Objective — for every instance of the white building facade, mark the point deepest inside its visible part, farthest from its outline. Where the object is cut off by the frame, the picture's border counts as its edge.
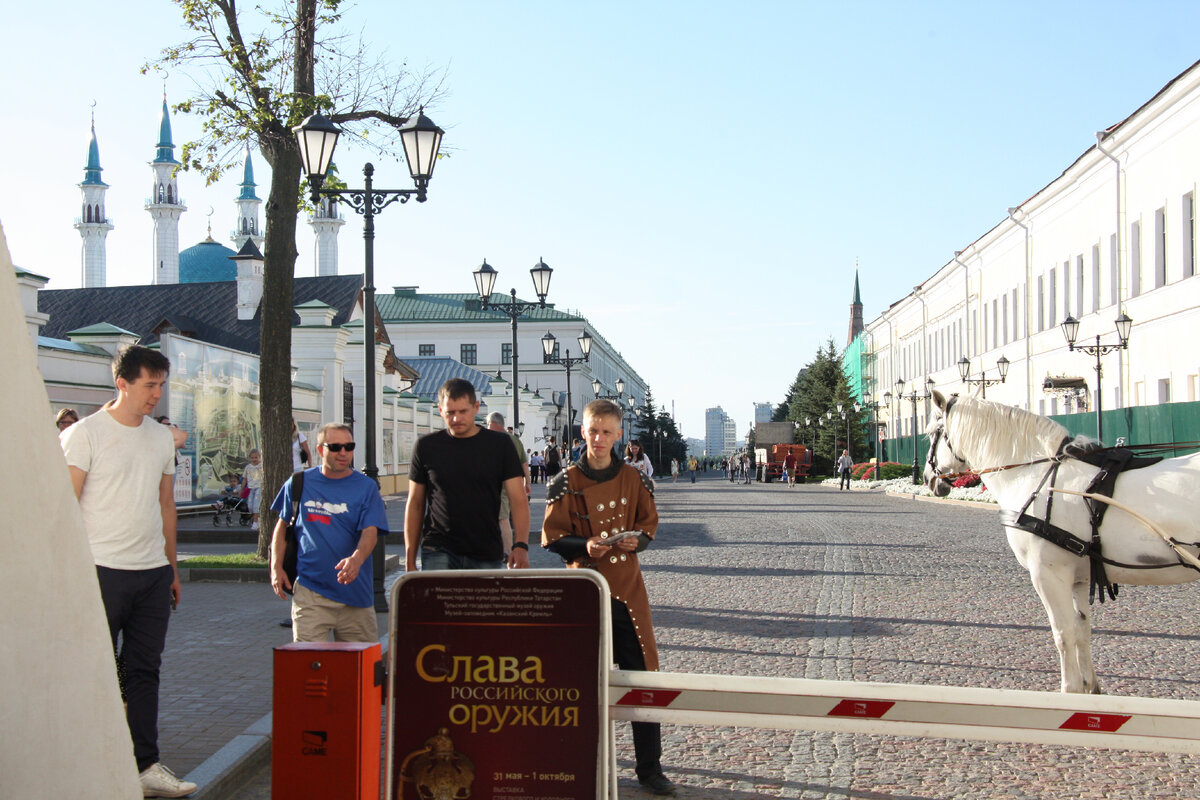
(1116, 232)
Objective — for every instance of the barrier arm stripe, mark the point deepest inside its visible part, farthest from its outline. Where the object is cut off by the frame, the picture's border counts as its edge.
(953, 712)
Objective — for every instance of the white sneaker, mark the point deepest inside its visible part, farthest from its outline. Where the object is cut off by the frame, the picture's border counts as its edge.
(253, 526)
(158, 781)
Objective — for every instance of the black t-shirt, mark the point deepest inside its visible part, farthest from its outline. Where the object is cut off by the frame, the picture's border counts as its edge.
(463, 479)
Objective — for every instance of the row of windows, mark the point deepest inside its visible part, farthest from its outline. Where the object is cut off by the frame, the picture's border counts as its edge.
(1079, 287)
(468, 353)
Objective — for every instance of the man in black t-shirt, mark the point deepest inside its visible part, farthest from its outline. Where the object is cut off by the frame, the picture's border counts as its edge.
(454, 485)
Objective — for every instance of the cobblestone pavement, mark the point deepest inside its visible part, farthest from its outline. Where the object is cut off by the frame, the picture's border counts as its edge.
(810, 582)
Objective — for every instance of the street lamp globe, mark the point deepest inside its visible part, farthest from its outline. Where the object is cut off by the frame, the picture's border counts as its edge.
(422, 140)
(1070, 329)
(540, 273)
(1002, 364)
(620, 386)
(585, 343)
(485, 280)
(548, 342)
(596, 387)
(964, 368)
(316, 137)
(1123, 325)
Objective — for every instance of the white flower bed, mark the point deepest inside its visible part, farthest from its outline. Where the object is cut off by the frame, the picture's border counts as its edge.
(906, 486)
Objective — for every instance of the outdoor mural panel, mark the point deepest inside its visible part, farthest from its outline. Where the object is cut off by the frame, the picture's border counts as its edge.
(213, 395)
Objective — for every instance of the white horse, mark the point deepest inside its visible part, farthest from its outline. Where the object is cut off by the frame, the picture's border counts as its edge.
(1014, 450)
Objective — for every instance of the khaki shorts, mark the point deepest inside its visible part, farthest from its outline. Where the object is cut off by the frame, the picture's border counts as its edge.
(505, 505)
(315, 616)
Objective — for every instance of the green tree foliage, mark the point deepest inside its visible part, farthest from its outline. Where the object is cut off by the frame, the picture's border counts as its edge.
(814, 397)
(256, 73)
(655, 429)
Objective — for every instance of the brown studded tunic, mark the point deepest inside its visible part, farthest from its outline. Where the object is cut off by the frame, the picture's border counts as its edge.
(581, 503)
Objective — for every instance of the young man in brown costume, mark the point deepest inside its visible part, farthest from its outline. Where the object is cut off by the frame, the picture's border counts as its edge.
(595, 498)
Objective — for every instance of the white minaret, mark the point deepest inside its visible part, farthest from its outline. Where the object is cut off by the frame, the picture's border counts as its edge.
(326, 222)
(164, 205)
(248, 206)
(93, 224)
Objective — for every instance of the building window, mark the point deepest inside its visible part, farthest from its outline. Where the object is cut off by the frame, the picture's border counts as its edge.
(1079, 285)
(1041, 303)
(506, 353)
(1050, 306)
(425, 350)
(1188, 220)
(1135, 259)
(466, 354)
(1016, 309)
(1164, 390)
(1095, 277)
(1005, 315)
(1113, 267)
(1066, 280)
(1160, 248)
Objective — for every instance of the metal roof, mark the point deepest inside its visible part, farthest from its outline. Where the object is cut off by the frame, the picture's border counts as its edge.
(406, 306)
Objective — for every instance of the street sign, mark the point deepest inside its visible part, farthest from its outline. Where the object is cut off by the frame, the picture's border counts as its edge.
(498, 685)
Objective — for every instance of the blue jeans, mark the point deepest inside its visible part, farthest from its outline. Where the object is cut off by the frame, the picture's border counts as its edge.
(444, 559)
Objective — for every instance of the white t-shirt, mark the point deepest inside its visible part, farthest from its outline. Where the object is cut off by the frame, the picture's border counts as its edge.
(297, 464)
(120, 498)
(643, 465)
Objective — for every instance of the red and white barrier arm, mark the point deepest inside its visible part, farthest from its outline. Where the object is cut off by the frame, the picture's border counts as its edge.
(1132, 723)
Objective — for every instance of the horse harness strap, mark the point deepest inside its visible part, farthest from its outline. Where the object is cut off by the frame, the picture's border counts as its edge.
(1110, 462)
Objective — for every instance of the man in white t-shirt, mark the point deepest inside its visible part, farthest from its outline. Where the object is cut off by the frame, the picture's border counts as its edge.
(122, 466)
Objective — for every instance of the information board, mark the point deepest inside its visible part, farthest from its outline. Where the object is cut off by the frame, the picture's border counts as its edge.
(499, 685)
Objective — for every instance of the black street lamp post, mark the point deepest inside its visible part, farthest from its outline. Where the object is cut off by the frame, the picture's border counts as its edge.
(317, 138)
(915, 396)
(548, 357)
(964, 372)
(485, 279)
(1070, 329)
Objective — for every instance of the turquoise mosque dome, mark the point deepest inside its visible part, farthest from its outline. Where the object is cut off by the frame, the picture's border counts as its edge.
(207, 262)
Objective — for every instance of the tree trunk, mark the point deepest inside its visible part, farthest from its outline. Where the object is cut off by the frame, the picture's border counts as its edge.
(279, 148)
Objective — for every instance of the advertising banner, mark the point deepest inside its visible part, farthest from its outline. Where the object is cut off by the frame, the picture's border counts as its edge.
(499, 685)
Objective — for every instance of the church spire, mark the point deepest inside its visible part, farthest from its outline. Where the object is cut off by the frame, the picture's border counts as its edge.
(93, 224)
(165, 205)
(856, 310)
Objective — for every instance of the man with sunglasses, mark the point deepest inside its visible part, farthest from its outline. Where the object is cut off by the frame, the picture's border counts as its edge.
(341, 514)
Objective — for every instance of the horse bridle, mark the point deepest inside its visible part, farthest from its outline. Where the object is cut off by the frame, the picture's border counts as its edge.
(938, 434)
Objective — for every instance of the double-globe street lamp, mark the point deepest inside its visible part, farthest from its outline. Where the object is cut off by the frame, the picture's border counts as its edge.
(485, 279)
(548, 357)
(964, 373)
(915, 396)
(317, 138)
(1070, 329)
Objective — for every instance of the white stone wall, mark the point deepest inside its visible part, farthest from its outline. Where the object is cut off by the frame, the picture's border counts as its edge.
(1019, 283)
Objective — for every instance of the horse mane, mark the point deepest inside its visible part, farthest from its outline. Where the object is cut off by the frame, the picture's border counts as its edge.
(997, 434)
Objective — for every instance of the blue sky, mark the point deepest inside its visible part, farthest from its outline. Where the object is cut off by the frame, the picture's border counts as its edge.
(702, 176)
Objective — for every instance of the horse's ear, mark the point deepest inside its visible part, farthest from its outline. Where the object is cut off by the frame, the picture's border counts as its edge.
(939, 400)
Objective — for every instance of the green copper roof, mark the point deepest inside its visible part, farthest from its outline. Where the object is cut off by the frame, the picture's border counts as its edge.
(407, 306)
(91, 174)
(166, 147)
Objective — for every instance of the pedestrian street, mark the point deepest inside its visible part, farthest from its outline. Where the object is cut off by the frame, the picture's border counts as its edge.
(810, 582)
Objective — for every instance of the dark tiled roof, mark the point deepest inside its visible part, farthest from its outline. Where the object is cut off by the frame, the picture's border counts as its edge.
(436, 370)
(407, 306)
(204, 311)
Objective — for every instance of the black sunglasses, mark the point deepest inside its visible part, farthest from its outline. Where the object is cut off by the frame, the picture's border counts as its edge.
(337, 448)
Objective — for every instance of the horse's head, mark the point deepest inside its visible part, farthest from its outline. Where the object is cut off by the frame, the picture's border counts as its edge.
(942, 459)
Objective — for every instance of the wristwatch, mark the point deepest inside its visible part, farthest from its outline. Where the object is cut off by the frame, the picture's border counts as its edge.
(521, 545)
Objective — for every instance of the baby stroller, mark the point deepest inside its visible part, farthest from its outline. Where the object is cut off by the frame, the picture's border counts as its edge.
(229, 505)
